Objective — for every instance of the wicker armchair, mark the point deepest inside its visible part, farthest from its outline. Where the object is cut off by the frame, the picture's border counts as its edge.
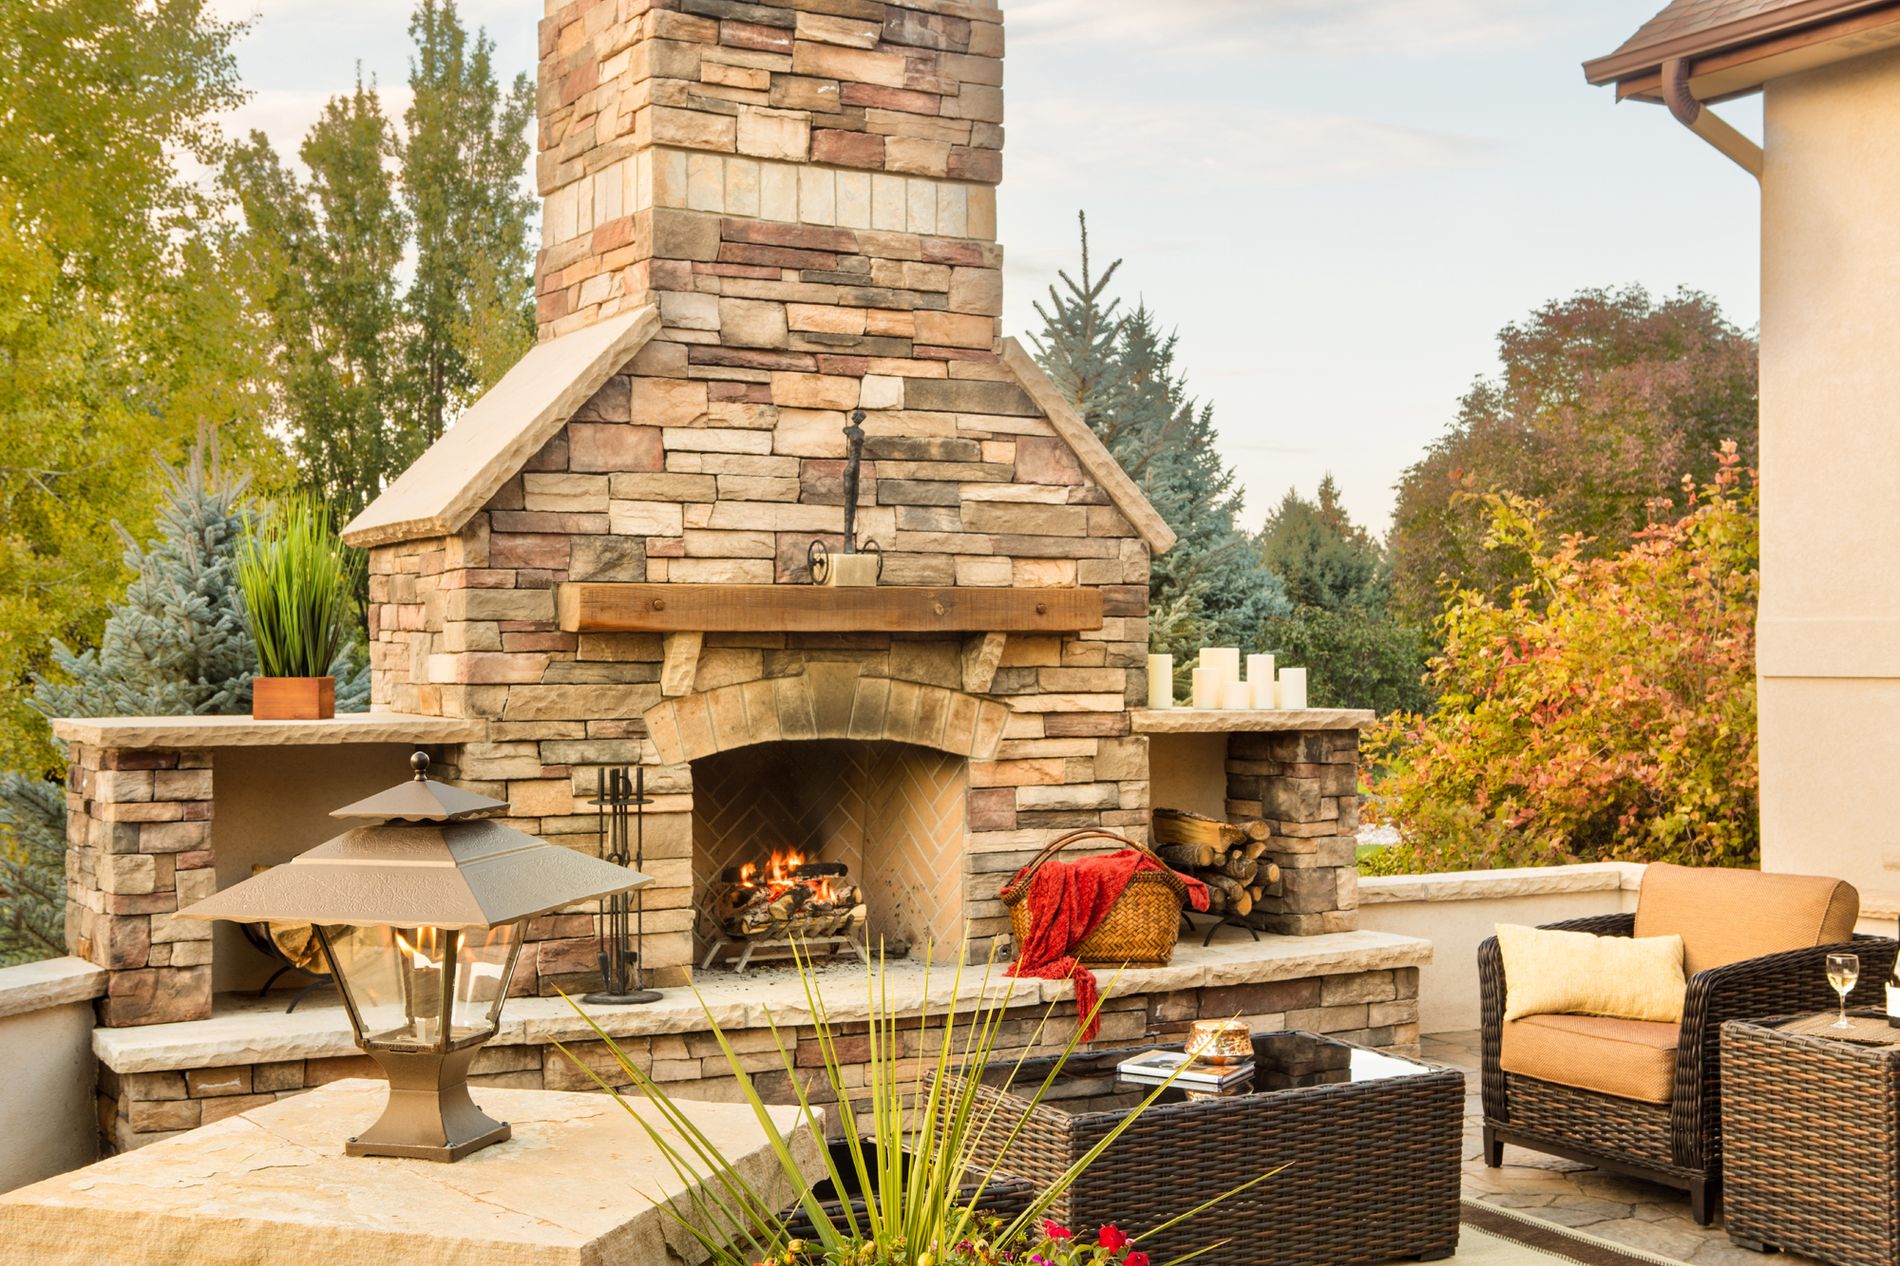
(1679, 1142)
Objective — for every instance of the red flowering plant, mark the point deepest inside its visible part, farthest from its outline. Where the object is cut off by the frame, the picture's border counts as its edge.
(1603, 710)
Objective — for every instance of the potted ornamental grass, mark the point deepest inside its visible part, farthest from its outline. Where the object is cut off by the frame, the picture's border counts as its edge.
(898, 1181)
(298, 580)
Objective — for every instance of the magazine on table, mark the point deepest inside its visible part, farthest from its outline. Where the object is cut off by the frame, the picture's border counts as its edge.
(1157, 1067)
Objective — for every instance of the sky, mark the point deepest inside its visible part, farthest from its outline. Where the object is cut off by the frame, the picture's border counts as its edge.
(1336, 204)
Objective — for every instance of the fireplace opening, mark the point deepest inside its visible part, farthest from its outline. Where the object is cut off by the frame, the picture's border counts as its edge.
(830, 838)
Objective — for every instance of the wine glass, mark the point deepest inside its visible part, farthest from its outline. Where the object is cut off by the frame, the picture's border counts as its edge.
(1842, 971)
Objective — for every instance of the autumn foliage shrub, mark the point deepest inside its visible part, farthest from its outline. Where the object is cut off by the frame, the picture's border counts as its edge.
(1603, 710)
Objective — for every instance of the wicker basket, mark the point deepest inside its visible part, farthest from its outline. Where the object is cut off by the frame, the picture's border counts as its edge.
(1139, 929)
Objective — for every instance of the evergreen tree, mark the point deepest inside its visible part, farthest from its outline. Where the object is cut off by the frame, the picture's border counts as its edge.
(1119, 372)
(470, 306)
(1357, 653)
(1320, 554)
(175, 644)
(32, 869)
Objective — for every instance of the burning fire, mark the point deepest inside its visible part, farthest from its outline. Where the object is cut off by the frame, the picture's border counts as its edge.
(781, 876)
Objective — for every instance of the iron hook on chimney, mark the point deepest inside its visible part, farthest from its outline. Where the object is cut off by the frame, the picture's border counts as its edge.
(824, 570)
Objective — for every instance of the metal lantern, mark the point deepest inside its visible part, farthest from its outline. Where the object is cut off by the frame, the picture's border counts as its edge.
(420, 910)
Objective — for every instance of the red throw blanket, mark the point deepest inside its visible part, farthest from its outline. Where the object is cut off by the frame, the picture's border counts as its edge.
(1069, 900)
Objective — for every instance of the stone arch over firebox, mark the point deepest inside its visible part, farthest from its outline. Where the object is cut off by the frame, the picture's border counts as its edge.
(825, 701)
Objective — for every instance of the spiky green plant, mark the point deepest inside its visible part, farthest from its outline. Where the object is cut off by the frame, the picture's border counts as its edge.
(911, 1139)
(297, 577)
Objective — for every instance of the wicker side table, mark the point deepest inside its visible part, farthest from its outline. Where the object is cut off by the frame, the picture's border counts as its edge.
(1811, 1134)
(1370, 1144)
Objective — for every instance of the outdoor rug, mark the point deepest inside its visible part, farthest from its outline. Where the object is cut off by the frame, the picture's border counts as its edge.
(1491, 1236)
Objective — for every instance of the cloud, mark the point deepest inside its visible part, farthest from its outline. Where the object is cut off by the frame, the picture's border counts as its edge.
(1252, 27)
(1213, 147)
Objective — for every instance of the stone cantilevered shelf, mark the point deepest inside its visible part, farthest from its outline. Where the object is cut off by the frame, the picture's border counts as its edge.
(1247, 720)
(195, 733)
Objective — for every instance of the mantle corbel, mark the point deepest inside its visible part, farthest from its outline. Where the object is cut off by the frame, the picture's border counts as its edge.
(606, 607)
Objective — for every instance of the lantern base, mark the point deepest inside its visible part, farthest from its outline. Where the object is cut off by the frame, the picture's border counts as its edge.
(429, 1115)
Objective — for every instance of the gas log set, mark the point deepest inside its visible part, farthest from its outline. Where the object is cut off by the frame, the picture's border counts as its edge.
(782, 901)
(1230, 858)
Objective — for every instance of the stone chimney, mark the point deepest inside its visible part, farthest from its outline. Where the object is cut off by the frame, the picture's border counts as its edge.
(802, 187)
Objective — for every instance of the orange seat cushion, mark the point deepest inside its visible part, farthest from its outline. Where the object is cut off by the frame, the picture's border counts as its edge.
(1631, 1059)
(1724, 915)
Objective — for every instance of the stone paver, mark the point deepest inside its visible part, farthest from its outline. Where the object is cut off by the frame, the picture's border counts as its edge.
(1643, 1215)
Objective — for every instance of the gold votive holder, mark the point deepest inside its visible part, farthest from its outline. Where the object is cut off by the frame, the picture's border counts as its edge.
(1220, 1042)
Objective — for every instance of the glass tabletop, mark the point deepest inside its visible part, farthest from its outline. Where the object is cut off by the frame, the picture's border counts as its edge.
(1283, 1061)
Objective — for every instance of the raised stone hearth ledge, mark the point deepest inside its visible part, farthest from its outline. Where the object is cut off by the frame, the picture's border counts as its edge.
(246, 1032)
(578, 1183)
(1487, 885)
(1247, 720)
(195, 733)
(51, 982)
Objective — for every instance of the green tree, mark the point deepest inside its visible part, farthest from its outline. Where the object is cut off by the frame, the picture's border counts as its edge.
(1603, 709)
(324, 255)
(470, 305)
(368, 371)
(1322, 557)
(1118, 370)
(1605, 402)
(119, 334)
(1356, 652)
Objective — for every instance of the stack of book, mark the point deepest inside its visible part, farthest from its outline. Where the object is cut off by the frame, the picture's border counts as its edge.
(1157, 1067)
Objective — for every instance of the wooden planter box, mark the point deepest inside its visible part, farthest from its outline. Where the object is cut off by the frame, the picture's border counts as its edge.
(293, 698)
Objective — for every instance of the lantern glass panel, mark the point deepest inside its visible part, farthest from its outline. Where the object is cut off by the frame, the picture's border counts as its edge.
(392, 981)
(484, 963)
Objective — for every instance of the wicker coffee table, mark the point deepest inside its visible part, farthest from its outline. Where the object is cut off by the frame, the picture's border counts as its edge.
(1369, 1141)
(1810, 1135)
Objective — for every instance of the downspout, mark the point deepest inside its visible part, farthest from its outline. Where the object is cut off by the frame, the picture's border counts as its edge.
(1693, 115)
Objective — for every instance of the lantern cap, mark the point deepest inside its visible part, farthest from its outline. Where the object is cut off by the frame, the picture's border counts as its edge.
(421, 799)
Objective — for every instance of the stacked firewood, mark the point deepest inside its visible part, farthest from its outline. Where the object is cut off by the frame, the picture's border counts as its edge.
(808, 900)
(1229, 857)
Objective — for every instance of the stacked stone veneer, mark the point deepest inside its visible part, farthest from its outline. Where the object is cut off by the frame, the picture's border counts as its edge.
(828, 153)
(1376, 1008)
(1306, 784)
(138, 834)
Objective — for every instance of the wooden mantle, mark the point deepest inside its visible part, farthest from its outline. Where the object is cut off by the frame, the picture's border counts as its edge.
(601, 607)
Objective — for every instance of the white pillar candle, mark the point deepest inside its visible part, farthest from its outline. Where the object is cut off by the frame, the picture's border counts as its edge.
(1161, 681)
(1234, 695)
(1293, 688)
(1223, 659)
(1260, 681)
(1207, 682)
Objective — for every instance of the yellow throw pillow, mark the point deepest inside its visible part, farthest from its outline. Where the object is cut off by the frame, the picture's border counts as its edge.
(1575, 973)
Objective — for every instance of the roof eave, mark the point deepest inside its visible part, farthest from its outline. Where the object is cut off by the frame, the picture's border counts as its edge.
(1729, 38)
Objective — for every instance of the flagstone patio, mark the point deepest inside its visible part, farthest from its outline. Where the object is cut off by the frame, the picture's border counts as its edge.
(1628, 1211)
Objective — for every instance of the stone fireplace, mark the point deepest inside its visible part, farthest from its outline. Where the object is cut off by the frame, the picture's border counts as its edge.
(758, 220)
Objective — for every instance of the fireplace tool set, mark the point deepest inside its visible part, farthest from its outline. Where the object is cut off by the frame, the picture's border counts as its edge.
(620, 803)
